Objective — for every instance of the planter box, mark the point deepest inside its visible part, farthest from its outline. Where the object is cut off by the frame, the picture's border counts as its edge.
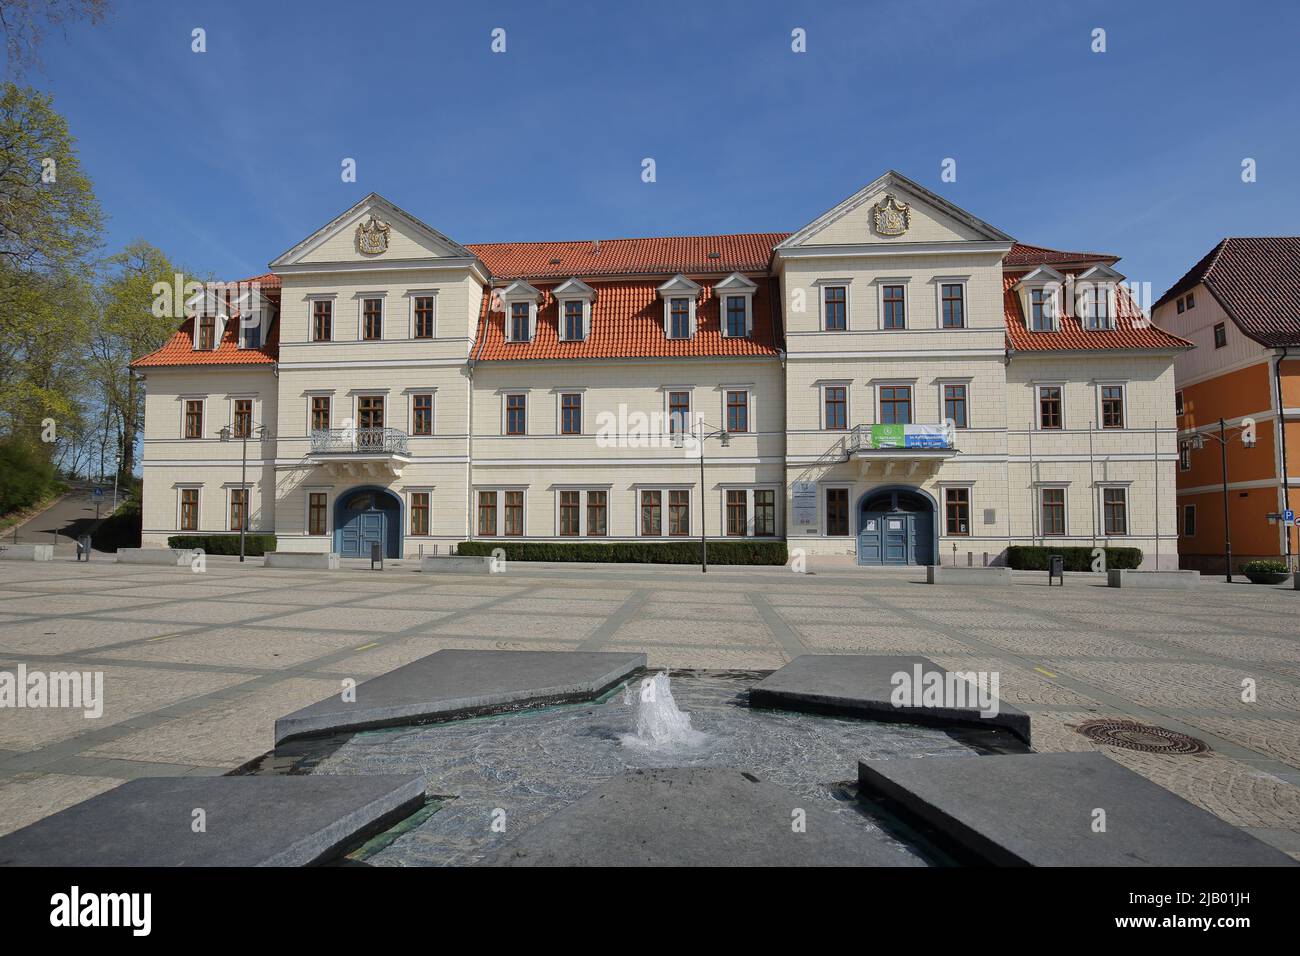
(311, 562)
(167, 557)
(1182, 580)
(460, 564)
(939, 574)
(1266, 577)
(27, 552)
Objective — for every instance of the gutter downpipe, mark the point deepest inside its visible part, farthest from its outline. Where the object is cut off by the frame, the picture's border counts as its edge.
(1281, 424)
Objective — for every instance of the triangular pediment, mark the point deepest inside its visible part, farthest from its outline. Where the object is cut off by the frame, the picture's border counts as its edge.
(893, 210)
(679, 285)
(574, 288)
(735, 283)
(372, 232)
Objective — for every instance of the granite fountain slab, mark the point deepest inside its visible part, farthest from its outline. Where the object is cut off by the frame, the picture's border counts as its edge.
(453, 683)
(864, 686)
(1043, 810)
(245, 821)
(697, 817)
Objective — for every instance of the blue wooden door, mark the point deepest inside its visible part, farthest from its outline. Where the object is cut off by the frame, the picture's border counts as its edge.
(869, 538)
(897, 539)
(362, 528)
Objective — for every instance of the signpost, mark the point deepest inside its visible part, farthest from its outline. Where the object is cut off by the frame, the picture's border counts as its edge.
(98, 495)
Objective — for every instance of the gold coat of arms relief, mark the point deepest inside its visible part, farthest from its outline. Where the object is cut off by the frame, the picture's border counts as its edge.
(892, 217)
(372, 236)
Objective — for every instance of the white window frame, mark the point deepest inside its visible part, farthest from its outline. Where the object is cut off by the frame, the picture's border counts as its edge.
(749, 509)
(307, 492)
(574, 290)
(940, 384)
(581, 392)
(751, 407)
(1102, 488)
(408, 492)
(231, 486)
(311, 299)
(1038, 406)
(1099, 385)
(847, 385)
(499, 492)
(411, 296)
(663, 510)
(360, 393)
(1064, 486)
(361, 298)
(519, 291)
(198, 514)
(942, 516)
(735, 285)
(320, 393)
(909, 383)
(690, 406)
(505, 394)
(203, 421)
(1047, 279)
(583, 492)
(679, 287)
(256, 412)
(881, 284)
(821, 285)
(939, 283)
(432, 392)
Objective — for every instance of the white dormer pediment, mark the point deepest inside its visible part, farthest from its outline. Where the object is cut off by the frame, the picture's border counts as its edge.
(574, 290)
(679, 285)
(1043, 275)
(1043, 284)
(519, 292)
(735, 286)
(676, 288)
(519, 289)
(1096, 296)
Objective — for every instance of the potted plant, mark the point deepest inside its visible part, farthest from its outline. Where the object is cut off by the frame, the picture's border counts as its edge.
(1265, 571)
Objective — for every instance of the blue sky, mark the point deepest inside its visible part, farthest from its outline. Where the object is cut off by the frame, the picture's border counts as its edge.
(226, 159)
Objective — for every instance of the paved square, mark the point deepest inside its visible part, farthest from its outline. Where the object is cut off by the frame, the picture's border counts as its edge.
(197, 667)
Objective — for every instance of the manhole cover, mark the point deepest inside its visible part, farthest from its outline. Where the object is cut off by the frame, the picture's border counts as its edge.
(1144, 737)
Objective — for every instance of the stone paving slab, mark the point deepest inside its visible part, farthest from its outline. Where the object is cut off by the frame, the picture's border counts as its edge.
(1039, 810)
(250, 821)
(448, 683)
(695, 818)
(862, 685)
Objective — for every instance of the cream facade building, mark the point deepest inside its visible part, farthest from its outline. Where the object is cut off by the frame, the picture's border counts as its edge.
(897, 382)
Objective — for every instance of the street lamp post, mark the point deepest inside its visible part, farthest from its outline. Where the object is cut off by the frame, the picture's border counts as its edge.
(724, 439)
(1247, 441)
(262, 434)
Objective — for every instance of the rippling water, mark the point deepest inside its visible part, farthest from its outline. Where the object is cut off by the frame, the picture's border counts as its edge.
(530, 764)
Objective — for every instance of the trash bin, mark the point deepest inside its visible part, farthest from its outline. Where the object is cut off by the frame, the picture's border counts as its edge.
(376, 555)
(83, 548)
(1056, 568)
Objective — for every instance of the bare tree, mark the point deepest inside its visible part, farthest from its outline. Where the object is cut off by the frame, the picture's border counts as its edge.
(25, 22)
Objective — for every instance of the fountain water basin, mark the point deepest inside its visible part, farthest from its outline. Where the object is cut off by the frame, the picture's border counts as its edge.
(661, 726)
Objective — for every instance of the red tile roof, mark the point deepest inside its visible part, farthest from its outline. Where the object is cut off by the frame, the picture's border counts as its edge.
(627, 322)
(1026, 256)
(179, 349)
(1132, 330)
(1256, 279)
(742, 252)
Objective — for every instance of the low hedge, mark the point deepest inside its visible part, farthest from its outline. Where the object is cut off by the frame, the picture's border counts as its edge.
(255, 545)
(633, 552)
(1265, 566)
(1035, 558)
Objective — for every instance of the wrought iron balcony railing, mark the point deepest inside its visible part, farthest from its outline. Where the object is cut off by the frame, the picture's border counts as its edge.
(877, 437)
(358, 441)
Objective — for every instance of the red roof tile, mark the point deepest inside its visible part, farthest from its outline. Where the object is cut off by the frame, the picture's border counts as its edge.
(1256, 279)
(179, 349)
(627, 322)
(1026, 256)
(1132, 330)
(742, 252)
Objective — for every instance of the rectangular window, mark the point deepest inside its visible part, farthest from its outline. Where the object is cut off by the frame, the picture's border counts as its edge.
(837, 512)
(1112, 406)
(207, 332)
(896, 404)
(372, 318)
(573, 320)
(895, 316)
(194, 419)
(1097, 306)
(370, 411)
(189, 509)
(1114, 509)
(316, 512)
(1178, 403)
(419, 512)
(516, 414)
(487, 513)
(836, 303)
(514, 509)
(764, 512)
(1220, 335)
(422, 414)
(737, 512)
(1049, 406)
(243, 417)
(1042, 305)
(737, 411)
(423, 317)
(597, 514)
(570, 512)
(954, 307)
(651, 512)
(1180, 305)
(1053, 508)
(679, 412)
(736, 315)
(571, 413)
(679, 512)
(238, 509)
(519, 321)
(956, 506)
(1185, 456)
(320, 412)
(1189, 521)
(322, 320)
(954, 405)
(1191, 300)
(679, 314)
(252, 335)
(837, 407)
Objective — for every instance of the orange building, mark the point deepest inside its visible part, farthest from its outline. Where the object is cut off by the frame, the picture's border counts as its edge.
(1240, 306)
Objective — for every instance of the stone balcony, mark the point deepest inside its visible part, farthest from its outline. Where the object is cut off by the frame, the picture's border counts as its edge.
(900, 450)
(360, 452)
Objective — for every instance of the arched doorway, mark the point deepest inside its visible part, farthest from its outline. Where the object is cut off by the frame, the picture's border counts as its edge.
(896, 525)
(364, 515)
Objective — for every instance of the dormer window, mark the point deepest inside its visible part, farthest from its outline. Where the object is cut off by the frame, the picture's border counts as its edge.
(679, 295)
(519, 301)
(1040, 299)
(252, 332)
(736, 297)
(207, 337)
(575, 298)
(1042, 309)
(1095, 297)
